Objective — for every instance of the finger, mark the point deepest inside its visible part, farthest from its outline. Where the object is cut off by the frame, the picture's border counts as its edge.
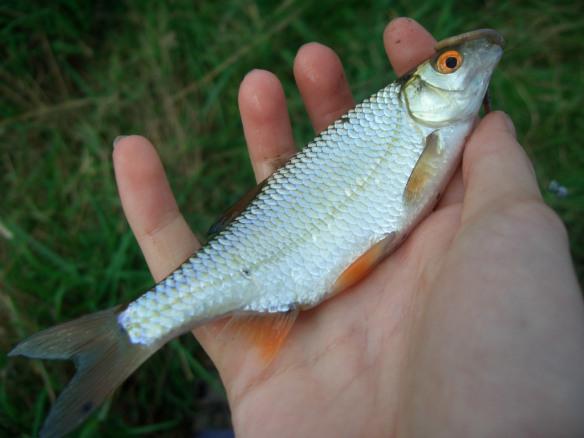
(495, 168)
(407, 44)
(454, 192)
(321, 80)
(162, 233)
(266, 123)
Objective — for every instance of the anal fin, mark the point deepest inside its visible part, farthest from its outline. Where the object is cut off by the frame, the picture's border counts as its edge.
(266, 332)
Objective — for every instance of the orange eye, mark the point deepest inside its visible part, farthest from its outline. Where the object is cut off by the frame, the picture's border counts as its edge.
(449, 61)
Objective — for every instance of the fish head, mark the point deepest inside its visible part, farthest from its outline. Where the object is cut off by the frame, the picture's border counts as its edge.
(451, 85)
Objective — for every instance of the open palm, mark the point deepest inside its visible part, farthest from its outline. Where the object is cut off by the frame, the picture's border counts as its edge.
(474, 326)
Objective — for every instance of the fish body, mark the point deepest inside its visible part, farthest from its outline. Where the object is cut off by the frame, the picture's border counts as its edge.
(315, 227)
(337, 198)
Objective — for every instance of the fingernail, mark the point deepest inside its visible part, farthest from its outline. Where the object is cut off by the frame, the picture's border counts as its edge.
(509, 123)
(118, 139)
(254, 71)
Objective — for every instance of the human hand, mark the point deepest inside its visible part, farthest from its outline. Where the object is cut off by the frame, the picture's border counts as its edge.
(474, 326)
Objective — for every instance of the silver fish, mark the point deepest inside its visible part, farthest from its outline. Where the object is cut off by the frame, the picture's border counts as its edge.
(314, 228)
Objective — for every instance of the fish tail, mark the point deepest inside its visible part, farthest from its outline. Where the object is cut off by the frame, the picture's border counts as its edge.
(104, 358)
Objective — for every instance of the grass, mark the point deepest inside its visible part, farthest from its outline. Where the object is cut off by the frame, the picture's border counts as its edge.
(76, 74)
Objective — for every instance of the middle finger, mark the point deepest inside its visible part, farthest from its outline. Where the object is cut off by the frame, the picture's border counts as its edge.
(321, 80)
(266, 123)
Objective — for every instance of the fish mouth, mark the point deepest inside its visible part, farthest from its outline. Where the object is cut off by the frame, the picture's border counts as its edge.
(490, 35)
(487, 108)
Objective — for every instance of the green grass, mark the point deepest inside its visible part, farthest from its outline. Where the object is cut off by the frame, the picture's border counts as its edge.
(76, 74)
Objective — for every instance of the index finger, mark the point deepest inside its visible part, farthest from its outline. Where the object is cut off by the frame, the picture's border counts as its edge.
(149, 205)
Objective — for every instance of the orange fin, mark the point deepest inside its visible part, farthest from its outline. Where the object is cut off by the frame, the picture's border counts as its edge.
(227, 217)
(265, 331)
(423, 170)
(365, 263)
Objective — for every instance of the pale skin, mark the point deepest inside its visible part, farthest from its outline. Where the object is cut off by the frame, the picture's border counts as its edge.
(474, 327)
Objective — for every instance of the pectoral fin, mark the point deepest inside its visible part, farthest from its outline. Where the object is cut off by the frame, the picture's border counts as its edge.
(361, 267)
(424, 169)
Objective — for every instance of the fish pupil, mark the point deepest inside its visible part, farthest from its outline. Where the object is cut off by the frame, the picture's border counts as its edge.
(451, 62)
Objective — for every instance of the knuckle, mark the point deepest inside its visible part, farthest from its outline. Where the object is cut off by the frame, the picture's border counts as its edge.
(535, 215)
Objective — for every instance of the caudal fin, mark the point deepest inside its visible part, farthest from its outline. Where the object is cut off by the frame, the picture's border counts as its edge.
(104, 358)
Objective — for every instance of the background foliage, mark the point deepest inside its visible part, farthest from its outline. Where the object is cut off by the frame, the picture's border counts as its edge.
(77, 73)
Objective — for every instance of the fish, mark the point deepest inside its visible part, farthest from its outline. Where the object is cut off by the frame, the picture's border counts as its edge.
(311, 230)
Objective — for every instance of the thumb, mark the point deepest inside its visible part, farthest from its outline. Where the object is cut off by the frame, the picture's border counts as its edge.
(496, 170)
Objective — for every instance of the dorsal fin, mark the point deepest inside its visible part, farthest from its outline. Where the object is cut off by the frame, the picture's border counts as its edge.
(227, 217)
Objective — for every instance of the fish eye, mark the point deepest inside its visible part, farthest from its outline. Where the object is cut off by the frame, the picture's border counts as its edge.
(449, 61)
